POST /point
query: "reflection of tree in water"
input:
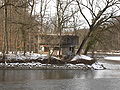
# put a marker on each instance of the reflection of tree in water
(2, 75)
(13, 75)
(67, 74)
(26, 75)
(84, 74)
(56, 74)
(88, 74)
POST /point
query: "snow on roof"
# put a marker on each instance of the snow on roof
(81, 57)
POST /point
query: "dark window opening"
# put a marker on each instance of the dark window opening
(46, 49)
(71, 49)
(56, 48)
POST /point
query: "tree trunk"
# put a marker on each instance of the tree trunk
(5, 42)
(10, 31)
(24, 46)
(6, 31)
(59, 25)
(24, 41)
(86, 50)
(90, 45)
(83, 43)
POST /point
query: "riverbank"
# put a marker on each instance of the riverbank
(44, 68)
(39, 66)
(42, 61)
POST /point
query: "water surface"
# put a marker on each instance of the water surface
(59, 80)
(108, 79)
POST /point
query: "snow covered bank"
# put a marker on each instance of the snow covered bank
(98, 66)
(112, 58)
(41, 61)
(87, 61)
(29, 56)
(38, 65)
(81, 57)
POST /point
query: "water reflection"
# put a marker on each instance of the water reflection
(59, 79)
(29, 75)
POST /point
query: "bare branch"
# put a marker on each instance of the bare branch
(83, 13)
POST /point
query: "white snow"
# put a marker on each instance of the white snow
(116, 53)
(20, 56)
(70, 65)
(81, 64)
(112, 58)
(77, 57)
(97, 66)
(56, 57)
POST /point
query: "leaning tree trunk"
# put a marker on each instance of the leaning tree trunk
(92, 42)
(83, 42)
(86, 50)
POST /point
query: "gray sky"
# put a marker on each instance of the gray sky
(98, 4)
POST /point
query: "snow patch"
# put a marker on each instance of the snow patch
(112, 58)
(56, 58)
(29, 56)
(77, 57)
(98, 66)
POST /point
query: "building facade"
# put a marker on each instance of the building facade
(58, 45)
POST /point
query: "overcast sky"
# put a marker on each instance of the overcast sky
(51, 8)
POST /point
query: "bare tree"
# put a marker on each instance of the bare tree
(63, 16)
(5, 42)
(18, 21)
(100, 14)
(42, 14)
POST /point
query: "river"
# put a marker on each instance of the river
(108, 79)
